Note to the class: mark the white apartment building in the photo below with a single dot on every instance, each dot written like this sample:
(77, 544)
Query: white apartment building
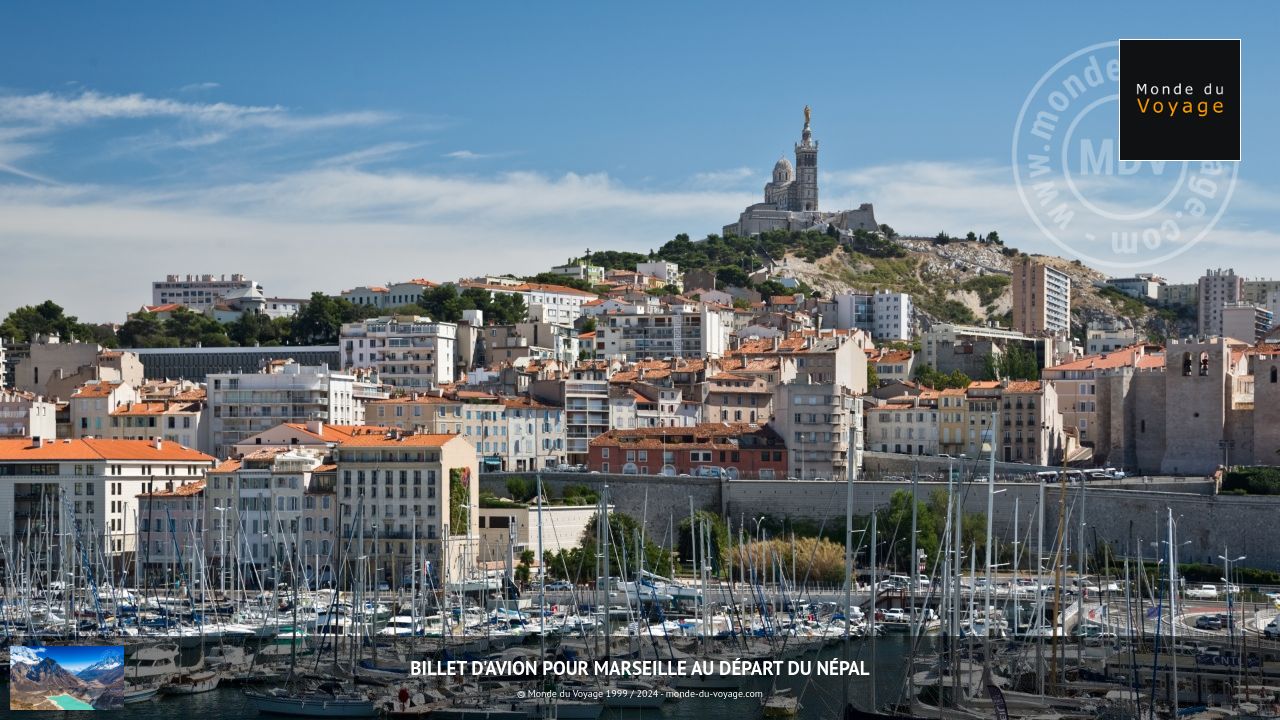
(667, 272)
(405, 351)
(1101, 338)
(891, 313)
(906, 425)
(255, 512)
(245, 404)
(508, 433)
(388, 296)
(24, 414)
(92, 482)
(692, 330)
(584, 395)
(198, 292)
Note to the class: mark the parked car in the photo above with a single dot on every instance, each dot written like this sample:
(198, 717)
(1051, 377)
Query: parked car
(895, 615)
(559, 585)
(1204, 592)
(1272, 630)
(1208, 622)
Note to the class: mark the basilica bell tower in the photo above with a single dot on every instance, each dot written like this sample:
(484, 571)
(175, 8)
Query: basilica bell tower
(806, 183)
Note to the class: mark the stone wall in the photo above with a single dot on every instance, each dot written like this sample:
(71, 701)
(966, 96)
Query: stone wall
(1127, 517)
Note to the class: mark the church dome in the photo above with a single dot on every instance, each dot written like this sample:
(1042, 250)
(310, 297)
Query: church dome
(782, 171)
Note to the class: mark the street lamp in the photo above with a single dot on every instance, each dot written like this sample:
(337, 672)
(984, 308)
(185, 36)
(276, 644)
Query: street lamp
(1226, 570)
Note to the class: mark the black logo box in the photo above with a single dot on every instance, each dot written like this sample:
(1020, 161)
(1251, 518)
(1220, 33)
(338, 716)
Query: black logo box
(1187, 68)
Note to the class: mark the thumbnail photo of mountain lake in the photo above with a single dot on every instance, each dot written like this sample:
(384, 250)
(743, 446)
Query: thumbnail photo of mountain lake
(89, 677)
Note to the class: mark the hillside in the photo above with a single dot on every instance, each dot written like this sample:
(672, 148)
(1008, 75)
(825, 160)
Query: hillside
(962, 281)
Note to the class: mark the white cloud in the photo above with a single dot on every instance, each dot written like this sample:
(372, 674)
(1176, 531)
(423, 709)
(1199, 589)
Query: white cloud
(733, 179)
(365, 156)
(469, 155)
(50, 110)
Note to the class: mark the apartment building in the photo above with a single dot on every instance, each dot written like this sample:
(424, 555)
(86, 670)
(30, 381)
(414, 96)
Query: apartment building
(907, 424)
(817, 420)
(55, 369)
(92, 485)
(732, 450)
(171, 527)
(24, 414)
(198, 292)
(1076, 385)
(394, 487)
(1215, 290)
(737, 398)
(1030, 427)
(242, 405)
(819, 356)
(405, 351)
(1041, 298)
(391, 295)
(584, 394)
(255, 514)
(1245, 321)
(1144, 286)
(494, 346)
(508, 433)
(690, 330)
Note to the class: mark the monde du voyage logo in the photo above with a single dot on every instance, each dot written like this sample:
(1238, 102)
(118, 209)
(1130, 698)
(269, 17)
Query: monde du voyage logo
(1142, 182)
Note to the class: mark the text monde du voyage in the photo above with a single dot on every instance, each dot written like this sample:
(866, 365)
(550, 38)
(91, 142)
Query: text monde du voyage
(1181, 99)
(635, 668)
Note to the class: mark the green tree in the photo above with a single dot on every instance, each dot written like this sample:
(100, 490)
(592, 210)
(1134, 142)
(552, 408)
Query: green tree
(320, 321)
(1015, 363)
(873, 377)
(894, 526)
(47, 318)
(719, 539)
(550, 278)
(189, 328)
(521, 488)
(141, 330)
(442, 303)
(459, 500)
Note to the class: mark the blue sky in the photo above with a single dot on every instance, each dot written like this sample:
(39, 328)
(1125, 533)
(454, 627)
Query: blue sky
(323, 146)
(71, 658)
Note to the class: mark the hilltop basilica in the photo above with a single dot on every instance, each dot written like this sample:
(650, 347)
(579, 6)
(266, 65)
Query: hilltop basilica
(791, 198)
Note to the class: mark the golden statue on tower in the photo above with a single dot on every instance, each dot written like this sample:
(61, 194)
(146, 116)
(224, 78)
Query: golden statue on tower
(806, 114)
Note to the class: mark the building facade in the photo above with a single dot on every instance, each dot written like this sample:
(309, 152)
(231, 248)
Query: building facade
(405, 351)
(1215, 290)
(198, 292)
(1041, 298)
(245, 404)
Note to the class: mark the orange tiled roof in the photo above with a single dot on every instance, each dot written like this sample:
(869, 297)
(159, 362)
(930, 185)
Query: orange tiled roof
(341, 433)
(153, 408)
(98, 449)
(1124, 357)
(397, 440)
(227, 466)
(166, 307)
(183, 490)
(894, 356)
(1023, 386)
(95, 390)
